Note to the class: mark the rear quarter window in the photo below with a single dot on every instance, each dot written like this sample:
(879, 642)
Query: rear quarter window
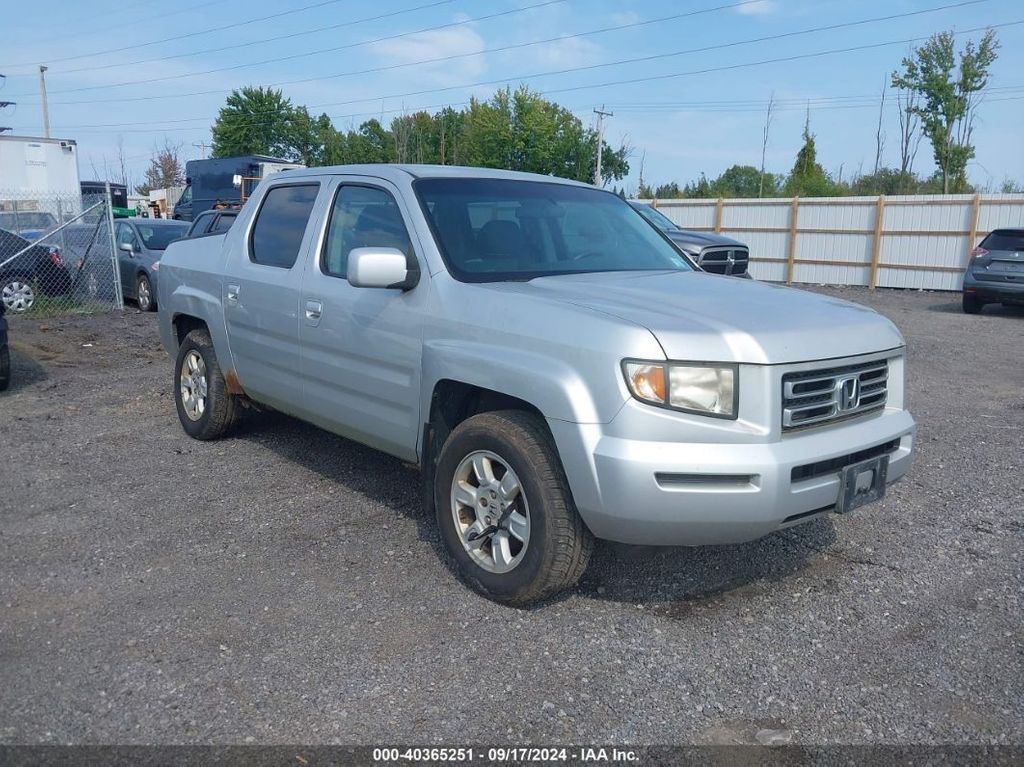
(281, 224)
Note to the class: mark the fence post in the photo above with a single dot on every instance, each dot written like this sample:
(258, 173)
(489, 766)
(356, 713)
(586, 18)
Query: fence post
(876, 245)
(791, 256)
(118, 295)
(975, 216)
(718, 215)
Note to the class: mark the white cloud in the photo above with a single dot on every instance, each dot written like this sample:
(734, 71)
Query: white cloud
(626, 17)
(758, 8)
(457, 41)
(566, 52)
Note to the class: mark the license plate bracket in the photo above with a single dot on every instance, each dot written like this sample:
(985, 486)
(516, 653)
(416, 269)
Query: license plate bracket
(862, 483)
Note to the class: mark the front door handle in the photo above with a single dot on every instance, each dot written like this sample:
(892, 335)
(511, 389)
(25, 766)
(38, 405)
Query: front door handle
(313, 310)
(232, 294)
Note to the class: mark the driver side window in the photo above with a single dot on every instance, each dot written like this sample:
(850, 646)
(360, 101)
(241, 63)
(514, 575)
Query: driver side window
(362, 217)
(125, 235)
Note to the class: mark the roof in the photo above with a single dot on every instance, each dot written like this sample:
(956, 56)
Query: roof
(395, 172)
(153, 221)
(39, 139)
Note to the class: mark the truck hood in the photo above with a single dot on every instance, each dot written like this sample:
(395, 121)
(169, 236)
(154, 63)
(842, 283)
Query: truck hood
(708, 317)
(701, 240)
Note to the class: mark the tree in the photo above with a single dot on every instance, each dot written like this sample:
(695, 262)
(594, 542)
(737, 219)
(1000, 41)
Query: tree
(808, 178)
(520, 130)
(879, 133)
(949, 95)
(743, 181)
(257, 121)
(764, 140)
(668, 191)
(165, 169)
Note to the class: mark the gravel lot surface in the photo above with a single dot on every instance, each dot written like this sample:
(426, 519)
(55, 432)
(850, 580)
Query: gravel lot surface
(283, 586)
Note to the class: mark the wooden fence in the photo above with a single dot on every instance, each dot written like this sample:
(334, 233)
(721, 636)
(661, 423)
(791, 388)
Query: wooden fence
(920, 241)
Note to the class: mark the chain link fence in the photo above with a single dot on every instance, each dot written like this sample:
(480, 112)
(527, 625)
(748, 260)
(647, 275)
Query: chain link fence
(57, 254)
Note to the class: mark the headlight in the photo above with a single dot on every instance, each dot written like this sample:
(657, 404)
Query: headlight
(704, 389)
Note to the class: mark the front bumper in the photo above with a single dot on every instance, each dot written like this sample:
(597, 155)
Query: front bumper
(670, 493)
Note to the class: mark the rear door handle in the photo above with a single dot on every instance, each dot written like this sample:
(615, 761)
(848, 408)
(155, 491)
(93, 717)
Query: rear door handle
(233, 294)
(313, 311)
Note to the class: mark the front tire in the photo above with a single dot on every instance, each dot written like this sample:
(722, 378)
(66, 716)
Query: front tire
(144, 294)
(205, 407)
(972, 304)
(505, 511)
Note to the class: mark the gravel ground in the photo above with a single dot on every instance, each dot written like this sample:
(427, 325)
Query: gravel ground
(283, 586)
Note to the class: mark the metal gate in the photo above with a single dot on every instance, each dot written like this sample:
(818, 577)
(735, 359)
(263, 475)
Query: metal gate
(57, 254)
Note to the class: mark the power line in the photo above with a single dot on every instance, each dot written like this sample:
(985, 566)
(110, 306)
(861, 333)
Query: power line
(590, 67)
(435, 60)
(305, 54)
(631, 81)
(277, 38)
(221, 28)
(416, 63)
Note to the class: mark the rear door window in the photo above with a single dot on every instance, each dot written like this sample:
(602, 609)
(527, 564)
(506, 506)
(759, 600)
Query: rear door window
(1004, 241)
(281, 224)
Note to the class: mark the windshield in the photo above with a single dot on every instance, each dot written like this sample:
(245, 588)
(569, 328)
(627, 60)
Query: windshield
(159, 237)
(1005, 240)
(25, 221)
(656, 217)
(502, 229)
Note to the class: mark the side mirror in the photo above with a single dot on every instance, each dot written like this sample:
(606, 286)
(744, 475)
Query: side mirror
(127, 248)
(381, 268)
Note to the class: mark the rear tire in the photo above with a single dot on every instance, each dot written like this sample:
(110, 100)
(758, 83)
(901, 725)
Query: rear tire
(205, 407)
(144, 294)
(542, 546)
(972, 304)
(17, 293)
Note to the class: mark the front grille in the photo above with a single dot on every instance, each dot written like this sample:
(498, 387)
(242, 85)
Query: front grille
(724, 260)
(834, 465)
(816, 397)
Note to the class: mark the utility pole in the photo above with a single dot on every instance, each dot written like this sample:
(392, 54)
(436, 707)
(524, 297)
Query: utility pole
(601, 114)
(42, 96)
(201, 146)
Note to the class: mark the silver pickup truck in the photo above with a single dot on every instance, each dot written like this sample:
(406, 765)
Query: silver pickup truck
(557, 369)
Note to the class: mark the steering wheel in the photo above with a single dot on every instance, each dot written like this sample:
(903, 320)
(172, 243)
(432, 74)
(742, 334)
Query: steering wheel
(588, 254)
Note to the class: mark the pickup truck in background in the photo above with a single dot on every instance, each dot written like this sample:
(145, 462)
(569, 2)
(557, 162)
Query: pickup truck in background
(713, 253)
(555, 366)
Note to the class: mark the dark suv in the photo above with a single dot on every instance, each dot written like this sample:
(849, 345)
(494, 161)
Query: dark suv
(996, 271)
(712, 252)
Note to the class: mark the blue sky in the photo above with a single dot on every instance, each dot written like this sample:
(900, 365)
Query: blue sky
(193, 54)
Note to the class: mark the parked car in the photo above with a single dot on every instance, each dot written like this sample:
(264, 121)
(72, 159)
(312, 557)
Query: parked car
(712, 252)
(551, 361)
(26, 268)
(141, 244)
(212, 222)
(30, 224)
(5, 352)
(995, 273)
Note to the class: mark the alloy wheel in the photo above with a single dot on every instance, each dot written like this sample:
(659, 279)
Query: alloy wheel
(192, 381)
(491, 514)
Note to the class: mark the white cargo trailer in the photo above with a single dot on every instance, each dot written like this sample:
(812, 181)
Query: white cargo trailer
(39, 183)
(38, 167)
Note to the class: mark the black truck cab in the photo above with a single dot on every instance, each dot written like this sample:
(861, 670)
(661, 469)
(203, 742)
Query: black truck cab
(224, 182)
